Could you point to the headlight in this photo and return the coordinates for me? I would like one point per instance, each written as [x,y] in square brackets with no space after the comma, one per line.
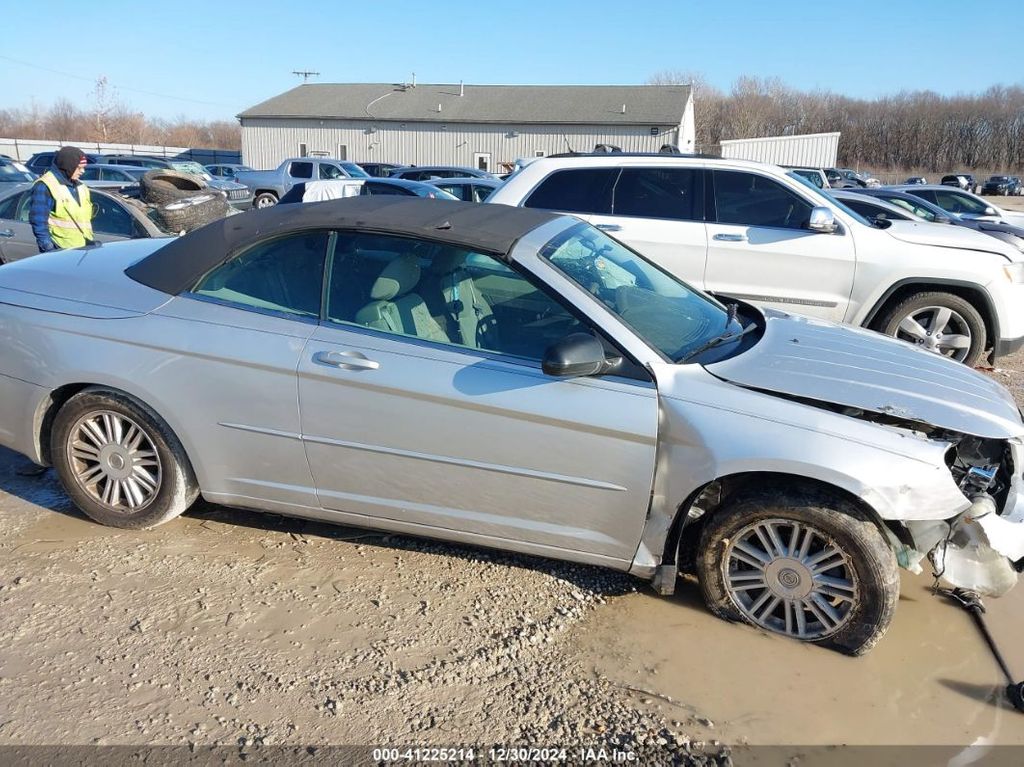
[1015,271]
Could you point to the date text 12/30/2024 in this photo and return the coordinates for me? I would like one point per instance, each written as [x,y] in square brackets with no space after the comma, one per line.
[504,754]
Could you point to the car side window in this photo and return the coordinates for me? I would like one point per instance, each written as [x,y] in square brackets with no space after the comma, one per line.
[658,193]
[301,170]
[110,218]
[281,275]
[331,171]
[481,192]
[443,294]
[10,208]
[749,199]
[90,173]
[577,190]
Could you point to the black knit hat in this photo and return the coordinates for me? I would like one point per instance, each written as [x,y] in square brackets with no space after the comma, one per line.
[68,159]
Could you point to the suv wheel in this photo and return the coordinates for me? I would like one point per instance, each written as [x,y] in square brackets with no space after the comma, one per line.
[802,567]
[938,322]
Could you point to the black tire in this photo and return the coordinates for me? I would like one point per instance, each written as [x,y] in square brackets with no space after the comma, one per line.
[264,200]
[969,322]
[870,558]
[159,187]
[190,213]
[174,483]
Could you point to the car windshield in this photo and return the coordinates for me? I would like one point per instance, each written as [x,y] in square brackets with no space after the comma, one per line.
[825,193]
[189,166]
[12,173]
[999,179]
[354,170]
[665,312]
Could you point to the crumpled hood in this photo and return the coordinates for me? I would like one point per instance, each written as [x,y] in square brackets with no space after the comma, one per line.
[946,236]
[848,366]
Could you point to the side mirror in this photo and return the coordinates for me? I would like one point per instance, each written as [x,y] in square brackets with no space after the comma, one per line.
[822,220]
[990,212]
[576,355]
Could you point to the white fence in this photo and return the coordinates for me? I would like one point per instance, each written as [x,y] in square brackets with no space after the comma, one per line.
[24,148]
[816,150]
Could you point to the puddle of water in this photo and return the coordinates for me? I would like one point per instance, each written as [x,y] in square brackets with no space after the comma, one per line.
[931,680]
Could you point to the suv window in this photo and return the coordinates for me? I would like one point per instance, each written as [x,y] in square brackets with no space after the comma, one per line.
[748,199]
[576,190]
[442,293]
[301,170]
[658,193]
[281,275]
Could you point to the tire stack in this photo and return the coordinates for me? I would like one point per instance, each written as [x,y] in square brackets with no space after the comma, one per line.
[183,202]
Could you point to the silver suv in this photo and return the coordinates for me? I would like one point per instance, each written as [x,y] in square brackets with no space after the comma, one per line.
[756,233]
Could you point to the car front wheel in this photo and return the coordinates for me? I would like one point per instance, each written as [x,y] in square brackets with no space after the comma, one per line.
[942,323]
[803,567]
[119,462]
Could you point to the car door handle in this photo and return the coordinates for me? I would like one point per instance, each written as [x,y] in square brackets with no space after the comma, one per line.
[6,232]
[345,360]
[609,227]
[730,237]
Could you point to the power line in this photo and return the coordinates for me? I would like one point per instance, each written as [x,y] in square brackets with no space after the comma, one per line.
[118,87]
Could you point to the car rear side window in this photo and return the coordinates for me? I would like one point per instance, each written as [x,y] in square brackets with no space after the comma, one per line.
[748,199]
[658,193]
[579,190]
[111,218]
[281,275]
[301,170]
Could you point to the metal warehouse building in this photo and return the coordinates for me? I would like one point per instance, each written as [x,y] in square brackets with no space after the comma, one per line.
[483,126]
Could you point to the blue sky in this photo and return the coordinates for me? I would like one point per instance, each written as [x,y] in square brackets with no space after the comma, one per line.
[211,60]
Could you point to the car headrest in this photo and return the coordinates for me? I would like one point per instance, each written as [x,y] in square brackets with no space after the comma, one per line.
[396,279]
[448,261]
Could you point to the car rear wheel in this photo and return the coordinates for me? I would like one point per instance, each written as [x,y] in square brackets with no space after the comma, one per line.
[938,322]
[119,462]
[804,567]
[264,200]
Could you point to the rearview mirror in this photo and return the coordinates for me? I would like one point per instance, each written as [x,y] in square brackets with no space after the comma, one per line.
[578,354]
[822,220]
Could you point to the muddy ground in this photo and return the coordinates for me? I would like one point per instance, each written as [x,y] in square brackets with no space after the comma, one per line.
[245,629]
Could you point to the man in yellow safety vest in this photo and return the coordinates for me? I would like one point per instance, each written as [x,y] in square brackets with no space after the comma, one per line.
[61,211]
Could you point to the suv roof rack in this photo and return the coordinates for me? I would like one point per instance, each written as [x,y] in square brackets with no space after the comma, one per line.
[637,154]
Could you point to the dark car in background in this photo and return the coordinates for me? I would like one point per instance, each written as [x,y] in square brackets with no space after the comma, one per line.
[916,180]
[428,172]
[963,181]
[379,169]
[13,172]
[1002,185]
[41,162]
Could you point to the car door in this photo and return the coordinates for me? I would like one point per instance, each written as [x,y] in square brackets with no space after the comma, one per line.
[760,249]
[659,211]
[460,435]
[237,336]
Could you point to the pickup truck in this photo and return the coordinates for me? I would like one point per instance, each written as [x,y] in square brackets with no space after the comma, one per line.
[269,186]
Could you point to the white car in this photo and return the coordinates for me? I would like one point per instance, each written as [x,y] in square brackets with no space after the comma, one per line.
[751,232]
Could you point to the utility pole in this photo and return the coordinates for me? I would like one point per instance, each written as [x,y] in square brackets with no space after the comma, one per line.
[305,74]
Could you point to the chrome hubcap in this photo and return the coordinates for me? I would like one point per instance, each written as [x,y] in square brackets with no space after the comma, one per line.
[790,578]
[937,329]
[114,461]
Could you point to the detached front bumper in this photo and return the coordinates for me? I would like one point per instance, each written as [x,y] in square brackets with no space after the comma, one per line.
[979,549]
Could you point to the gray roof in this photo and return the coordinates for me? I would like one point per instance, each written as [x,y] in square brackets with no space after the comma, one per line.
[514,104]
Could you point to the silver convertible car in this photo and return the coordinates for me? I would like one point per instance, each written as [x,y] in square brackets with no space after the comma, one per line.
[517,379]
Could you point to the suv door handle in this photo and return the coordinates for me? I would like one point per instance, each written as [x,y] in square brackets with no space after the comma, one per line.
[6,232]
[345,360]
[730,237]
[609,227]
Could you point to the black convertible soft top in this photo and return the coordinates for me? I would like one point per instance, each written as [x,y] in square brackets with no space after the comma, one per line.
[485,228]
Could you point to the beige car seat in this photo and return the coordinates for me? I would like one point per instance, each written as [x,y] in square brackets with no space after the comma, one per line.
[396,308]
[464,310]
